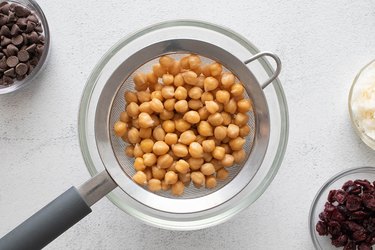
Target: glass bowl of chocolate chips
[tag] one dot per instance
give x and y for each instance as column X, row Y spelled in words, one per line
column 342, row 215
column 24, row 41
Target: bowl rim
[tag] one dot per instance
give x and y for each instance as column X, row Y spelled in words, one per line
column 364, row 137
column 42, row 61
column 322, row 189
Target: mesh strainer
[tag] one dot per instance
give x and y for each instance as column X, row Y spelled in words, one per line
column 102, row 105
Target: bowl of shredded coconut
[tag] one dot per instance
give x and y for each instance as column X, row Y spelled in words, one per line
column 362, row 104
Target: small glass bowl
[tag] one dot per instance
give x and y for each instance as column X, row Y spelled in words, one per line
column 364, row 137
column 33, row 6
column 335, row 182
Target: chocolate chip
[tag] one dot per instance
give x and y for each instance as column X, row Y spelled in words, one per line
column 22, row 23
column 30, row 26
column 12, row 17
column 21, row 69
column 3, row 19
column 39, row 28
column 12, row 61
column 39, row 49
column 5, row 41
column 17, row 40
column 15, row 30
column 3, row 63
column 21, row 11
column 7, row 80
column 10, row 72
column 4, row 31
column 34, row 61
column 11, row 50
column 5, row 8
column 31, row 48
column 33, row 18
column 32, row 37
column 23, row 55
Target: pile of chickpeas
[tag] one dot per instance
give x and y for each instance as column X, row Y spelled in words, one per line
column 185, row 122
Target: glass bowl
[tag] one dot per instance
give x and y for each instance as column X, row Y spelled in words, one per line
column 335, row 182
column 363, row 73
column 32, row 5
column 236, row 45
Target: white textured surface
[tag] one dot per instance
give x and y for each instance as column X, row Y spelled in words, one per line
column 322, row 46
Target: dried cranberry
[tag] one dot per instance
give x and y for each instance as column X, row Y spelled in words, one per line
column 359, row 235
column 321, row 228
column 328, row 207
column 347, row 185
column 340, row 196
column 353, row 203
column 358, row 215
column 371, row 240
column 331, row 195
column 364, row 183
column 343, row 209
column 354, row 189
column 364, row 246
column 334, row 228
column 324, row 216
column 354, row 226
column 337, row 216
column 369, row 201
column 350, row 245
column 340, row 241
column 369, row 224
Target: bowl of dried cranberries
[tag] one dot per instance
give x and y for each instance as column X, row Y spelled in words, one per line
column 342, row 214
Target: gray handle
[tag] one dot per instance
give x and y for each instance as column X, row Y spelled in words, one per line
column 48, row 223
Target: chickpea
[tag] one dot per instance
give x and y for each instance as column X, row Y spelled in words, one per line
column 170, row 178
column 207, row 96
column 218, row 153
column 208, row 169
column 135, row 123
column 233, row 131
column 132, row 109
column 195, row 163
column 140, row 178
column 225, row 140
column 227, row 118
column 210, row 83
column 140, row 81
column 182, row 166
column 208, row 145
column 173, row 166
column 207, row 157
column 165, row 186
column 222, row 174
column 157, row 94
column 244, row 130
column 160, row 148
column 166, row 61
column 212, row 106
column 158, row 133
column 138, row 151
column 215, row 119
column 156, row 105
column 178, row 188
column 145, row 133
column 195, row 104
column 143, row 96
column 166, row 115
column 164, row 161
column 200, row 82
column 198, row 71
column 180, row 150
column 154, row 185
column 241, row 119
column 244, row 105
column 227, row 80
column 129, row 151
column 194, row 61
column 168, row 126
column 215, row 69
column 156, row 119
column 178, row 80
column 200, row 138
column 221, row 107
column 187, row 137
column 147, row 145
column 237, row 143
column 184, row 178
column 149, row 159
column 192, row 117
column 184, row 62
column 145, row 108
column 239, row 156
column 195, row 150
column 180, row 93
column 227, row 161
column 182, row 125
column 211, row 182
column 167, row 92
column 222, row 96
column 124, row 117
column 133, row 136
column 195, row 93
column 181, row 106
column 227, row 148
column 205, row 129
column 220, row 132
column 130, row 97
column 148, row 173
column 158, row 70
column 175, row 68
column 171, row 139
column 190, row 77
column 231, row 106
column 152, row 79
column 197, row 178
column 139, row 164
column 145, row 120
column 169, row 104
column 120, row 128
column 237, row 89
column 203, row 113
column 217, row 164
column 158, row 173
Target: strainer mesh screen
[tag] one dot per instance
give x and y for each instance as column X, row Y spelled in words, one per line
column 119, row 145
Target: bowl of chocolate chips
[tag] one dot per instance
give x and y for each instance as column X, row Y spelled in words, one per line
column 24, row 41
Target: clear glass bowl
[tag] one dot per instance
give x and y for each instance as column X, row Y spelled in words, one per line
column 362, row 73
column 32, row 5
column 237, row 46
column 335, row 182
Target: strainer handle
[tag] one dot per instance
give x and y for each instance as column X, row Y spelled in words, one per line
column 278, row 66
